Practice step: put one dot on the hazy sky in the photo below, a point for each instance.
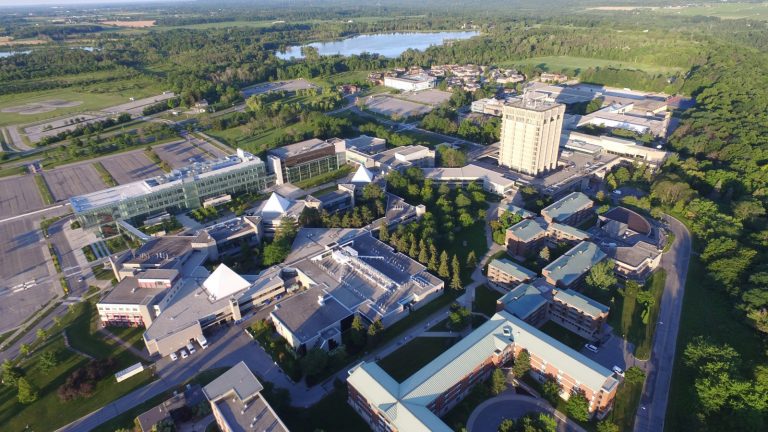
(21, 3)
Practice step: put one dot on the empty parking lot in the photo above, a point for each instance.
(19, 195)
(130, 167)
(180, 154)
(390, 106)
(73, 180)
(430, 97)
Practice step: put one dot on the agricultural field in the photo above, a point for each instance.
(755, 11)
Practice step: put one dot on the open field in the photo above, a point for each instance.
(485, 300)
(130, 24)
(73, 180)
(130, 167)
(755, 11)
(576, 64)
(93, 97)
(394, 107)
(19, 195)
(432, 97)
(286, 86)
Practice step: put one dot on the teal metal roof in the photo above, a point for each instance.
(512, 268)
(581, 302)
(528, 229)
(581, 235)
(522, 301)
(574, 263)
(511, 208)
(563, 208)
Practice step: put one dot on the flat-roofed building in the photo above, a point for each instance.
(632, 242)
(237, 403)
(530, 135)
(311, 319)
(570, 269)
(635, 262)
(578, 313)
(571, 209)
(414, 82)
(417, 403)
(494, 181)
(527, 302)
(624, 148)
(131, 303)
(526, 237)
(306, 159)
(179, 190)
(505, 273)
(488, 106)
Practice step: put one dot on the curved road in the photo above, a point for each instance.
(488, 415)
(653, 402)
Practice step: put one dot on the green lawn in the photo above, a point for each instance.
(485, 300)
(642, 334)
(448, 297)
(470, 238)
(42, 188)
(755, 11)
(625, 405)
(414, 355)
(332, 413)
(49, 412)
(570, 63)
(563, 335)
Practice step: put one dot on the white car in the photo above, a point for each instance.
(184, 353)
(591, 347)
(174, 357)
(191, 348)
(617, 370)
(203, 342)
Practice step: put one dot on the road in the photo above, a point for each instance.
(488, 415)
(653, 402)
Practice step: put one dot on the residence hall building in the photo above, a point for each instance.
(530, 235)
(530, 135)
(570, 210)
(569, 270)
(182, 189)
(416, 404)
(237, 403)
(504, 273)
(306, 159)
(632, 242)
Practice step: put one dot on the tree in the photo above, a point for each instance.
(10, 374)
(507, 425)
(634, 375)
(544, 254)
(47, 361)
(577, 407)
(522, 364)
(314, 362)
(384, 231)
(471, 260)
(374, 332)
(444, 271)
(498, 381)
(276, 252)
(27, 392)
(423, 252)
(357, 331)
(607, 426)
(458, 318)
(550, 389)
(432, 264)
(24, 349)
(601, 275)
(41, 334)
(456, 277)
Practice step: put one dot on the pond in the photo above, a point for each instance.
(385, 44)
(4, 54)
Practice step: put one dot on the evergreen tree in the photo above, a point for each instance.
(471, 260)
(413, 251)
(423, 253)
(357, 331)
(522, 364)
(27, 392)
(498, 382)
(384, 232)
(432, 264)
(456, 276)
(443, 271)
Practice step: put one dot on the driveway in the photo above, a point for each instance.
(488, 416)
(653, 402)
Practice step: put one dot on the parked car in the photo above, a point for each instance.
(184, 353)
(618, 371)
(591, 347)
(191, 348)
(203, 342)
(174, 357)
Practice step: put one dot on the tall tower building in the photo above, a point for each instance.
(530, 135)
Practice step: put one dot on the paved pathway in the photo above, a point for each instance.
(653, 402)
(489, 414)
(126, 345)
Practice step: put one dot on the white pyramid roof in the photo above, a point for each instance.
(362, 175)
(224, 282)
(276, 204)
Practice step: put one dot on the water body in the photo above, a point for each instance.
(385, 44)
(4, 54)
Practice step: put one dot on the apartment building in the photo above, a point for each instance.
(569, 270)
(505, 274)
(530, 135)
(572, 209)
(578, 313)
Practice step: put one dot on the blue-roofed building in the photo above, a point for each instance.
(579, 313)
(526, 302)
(569, 269)
(526, 236)
(511, 208)
(571, 209)
(505, 273)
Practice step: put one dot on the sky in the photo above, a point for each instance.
(20, 3)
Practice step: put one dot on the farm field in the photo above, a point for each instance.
(575, 64)
(756, 11)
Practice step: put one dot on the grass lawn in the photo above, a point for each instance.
(485, 300)
(448, 297)
(49, 412)
(580, 63)
(332, 413)
(707, 311)
(42, 187)
(414, 355)
(235, 137)
(641, 334)
(10, 171)
(625, 405)
(755, 11)
(563, 335)
(457, 417)
(131, 335)
(470, 238)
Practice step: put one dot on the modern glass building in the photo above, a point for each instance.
(307, 159)
(179, 190)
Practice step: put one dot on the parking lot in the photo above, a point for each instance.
(391, 106)
(49, 128)
(612, 353)
(432, 97)
(73, 180)
(131, 167)
(19, 195)
(286, 86)
(25, 285)
(180, 154)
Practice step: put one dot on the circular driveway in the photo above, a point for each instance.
(488, 416)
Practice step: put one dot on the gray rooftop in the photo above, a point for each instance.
(511, 208)
(127, 291)
(522, 301)
(633, 255)
(161, 250)
(581, 302)
(303, 315)
(512, 268)
(528, 229)
(579, 234)
(238, 379)
(563, 208)
(574, 263)
(299, 148)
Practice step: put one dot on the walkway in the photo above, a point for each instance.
(488, 415)
(653, 402)
(126, 345)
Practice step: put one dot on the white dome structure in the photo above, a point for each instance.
(362, 175)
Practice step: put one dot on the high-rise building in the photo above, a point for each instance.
(530, 135)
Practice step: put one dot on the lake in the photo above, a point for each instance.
(4, 54)
(385, 44)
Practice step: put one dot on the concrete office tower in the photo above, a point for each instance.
(530, 135)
